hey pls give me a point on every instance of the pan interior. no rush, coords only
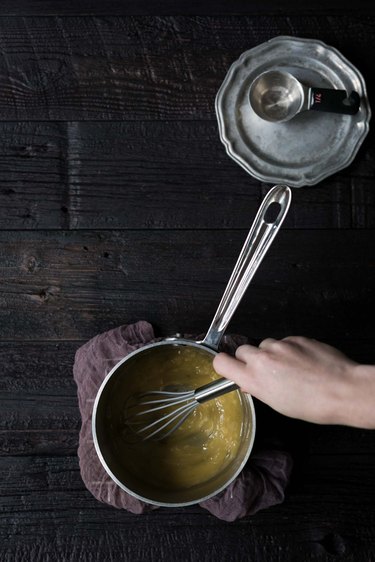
(200, 457)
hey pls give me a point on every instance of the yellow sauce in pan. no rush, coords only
(202, 446)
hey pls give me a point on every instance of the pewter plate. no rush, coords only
(313, 145)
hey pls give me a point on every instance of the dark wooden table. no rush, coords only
(117, 203)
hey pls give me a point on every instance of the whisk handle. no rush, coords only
(214, 390)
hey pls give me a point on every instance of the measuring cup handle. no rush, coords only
(259, 239)
(334, 101)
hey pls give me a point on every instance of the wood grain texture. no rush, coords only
(37, 391)
(71, 285)
(33, 172)
(179, 7)
(39, 413)
(100, 68)
(38, 399)
(44, 498)
(111, 175)
(118, 202)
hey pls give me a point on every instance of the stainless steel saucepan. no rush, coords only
(266, 224)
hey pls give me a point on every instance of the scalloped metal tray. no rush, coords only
(313, 145)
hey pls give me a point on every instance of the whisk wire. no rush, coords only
(167, 392)
(167, 401)
(173, 406)
(177, 425)
(183, 411)
(182, 404)
(172, 415)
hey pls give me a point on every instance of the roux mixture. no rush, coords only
(203, 445)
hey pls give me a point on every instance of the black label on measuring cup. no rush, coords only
(334, 101)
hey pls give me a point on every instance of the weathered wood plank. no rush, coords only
(39, 409)
(72, 285)
(38, 399)
(46, 510)
(38, 442)
(36, 368)
(178, 7)
(35, 412)
(34, 167)
(154, 175)
(82, 68)
(31, 368)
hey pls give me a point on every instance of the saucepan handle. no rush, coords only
(259, 239)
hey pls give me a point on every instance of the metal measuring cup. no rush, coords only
(278, 96)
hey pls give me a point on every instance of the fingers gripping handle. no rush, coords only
(259, 239)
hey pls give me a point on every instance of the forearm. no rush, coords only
(358, 410)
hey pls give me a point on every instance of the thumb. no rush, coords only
(235, 370)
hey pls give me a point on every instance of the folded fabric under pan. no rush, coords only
(262, 482)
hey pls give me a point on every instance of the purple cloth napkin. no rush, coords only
(261, 483)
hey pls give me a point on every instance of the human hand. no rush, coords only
(306, 379)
